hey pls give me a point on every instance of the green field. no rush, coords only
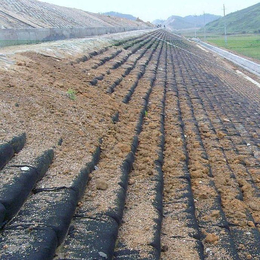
(248, 45)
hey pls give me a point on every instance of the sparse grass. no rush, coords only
(71, 94)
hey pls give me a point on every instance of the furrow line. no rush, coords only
(152, 46)
(139, 234)
(111, 68)
(180, 231)
(215, 234)
(95, 226)
(237, 161)
(226, 185)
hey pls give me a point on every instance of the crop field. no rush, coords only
(247, 45)
(156, 155)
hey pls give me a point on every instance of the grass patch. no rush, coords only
(71, 94)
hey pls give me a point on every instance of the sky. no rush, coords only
(150, 10)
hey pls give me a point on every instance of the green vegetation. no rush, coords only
(4, 43)
(71, 94)
(245, 44)
(248, 45)
(240, 22)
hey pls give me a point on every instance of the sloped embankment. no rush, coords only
(156, 155)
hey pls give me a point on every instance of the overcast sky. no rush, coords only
(149, 10)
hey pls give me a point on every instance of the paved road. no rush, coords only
(246, 64)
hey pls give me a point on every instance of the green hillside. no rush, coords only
(243, 21)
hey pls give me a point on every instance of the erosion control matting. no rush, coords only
(7, 150)
(171, 137)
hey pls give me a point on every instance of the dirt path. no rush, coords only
(145, 149)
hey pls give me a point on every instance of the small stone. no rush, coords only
(215, 213)
(220, 135)
(167, 189)
(25, 168)
(164, 248)
(241, 247)
(208, 251)
(131, 182)
(250, 224)
(60, 141)
(80, 204)
(101, 185)
(19, 63)
(257, 154)
(150, 173)
(243, 223)
(102, 254)
(211, 238)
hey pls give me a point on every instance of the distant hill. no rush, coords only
(187, 22)
(177, 23)
(199, 20)
(126, 16)
(244, 21)
(35, 14)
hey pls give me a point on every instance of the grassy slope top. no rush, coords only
(243, 21)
